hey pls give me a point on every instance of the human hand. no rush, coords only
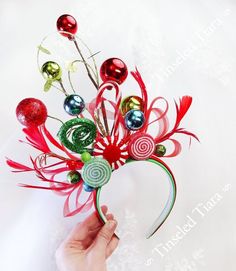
(88, 245)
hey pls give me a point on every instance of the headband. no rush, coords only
(101, 135)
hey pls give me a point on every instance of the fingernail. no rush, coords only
(111, 224)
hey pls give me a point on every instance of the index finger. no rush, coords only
(81, 230)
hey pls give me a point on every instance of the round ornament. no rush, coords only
(134, 120)
(72, 164)
(73, 176)
(160, 150)
(51, 71)
(67, 23)
(114, 69)
(130, 103)
(141, 146)
(74, 104)
(85, 157)
(96, 172)
(87, 188)
(31, 112)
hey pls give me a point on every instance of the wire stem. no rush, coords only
(85, 64)
(63, 88)
(96, 86)
(55, 119)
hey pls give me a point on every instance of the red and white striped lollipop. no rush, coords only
(141, 146)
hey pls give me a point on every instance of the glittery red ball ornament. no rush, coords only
(114, 69)
(31, 112)
(72, 164)
(67, 23)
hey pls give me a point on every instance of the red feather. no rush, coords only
(184, 104)
(80, 207)
(18, 166)
(137, 76)
(181, 110)
(181, 131)
(51, 138)
(36, 139)
(44, 187)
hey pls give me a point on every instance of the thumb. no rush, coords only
(105, 235)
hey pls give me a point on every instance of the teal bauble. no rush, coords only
(74, 104)
(134, 120)
(87, 187)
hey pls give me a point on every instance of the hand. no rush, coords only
(88, 245)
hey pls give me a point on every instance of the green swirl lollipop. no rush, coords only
(77, 134)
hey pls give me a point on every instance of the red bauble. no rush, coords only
(114, 69)
(31, 112)
(72, 164)
(67, 23)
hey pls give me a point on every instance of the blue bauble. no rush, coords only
(134, 119)
(74, 104)
(87, 187)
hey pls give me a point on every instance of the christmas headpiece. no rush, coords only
(89, 149)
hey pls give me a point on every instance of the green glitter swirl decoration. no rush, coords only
(77, 134)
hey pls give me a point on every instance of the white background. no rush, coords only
(181, 47)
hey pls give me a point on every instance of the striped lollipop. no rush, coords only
(96, 172)
(141, 146)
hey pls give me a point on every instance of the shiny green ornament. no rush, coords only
(77, 134)
(73, 177)
(85, 157)
(160, 150)
(51, 71)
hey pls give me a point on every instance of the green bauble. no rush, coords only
(51, 71)
(73, 176)
(160, 150)
(85, 157)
